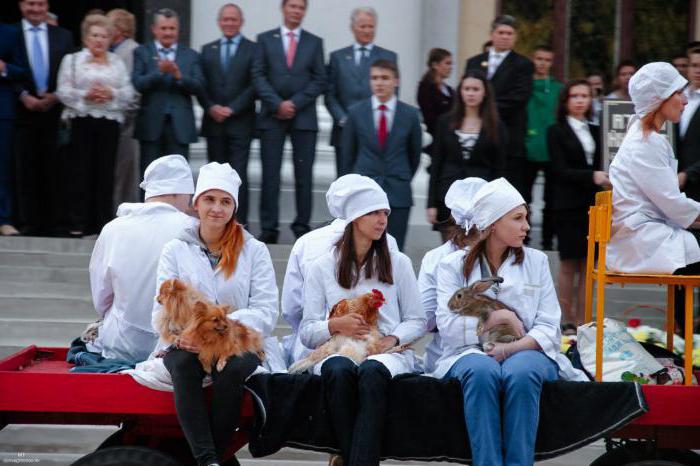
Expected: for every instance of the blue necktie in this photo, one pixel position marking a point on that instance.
(39, 69)
(227, 54)
(165, 53)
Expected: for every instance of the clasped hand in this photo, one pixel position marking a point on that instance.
(169, 66)
(99, 94)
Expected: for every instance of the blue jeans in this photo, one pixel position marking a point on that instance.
(510, 441)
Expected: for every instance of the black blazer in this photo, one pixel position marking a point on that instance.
(572, 186)
(512, 84)
(688, 151)
(231, 87)
(488, 160)
(15, 70)
(433, 103)
(274, 82)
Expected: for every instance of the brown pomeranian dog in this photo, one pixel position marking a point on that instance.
(219, 337)
(366, 305)
(469, 301)
(177, 299)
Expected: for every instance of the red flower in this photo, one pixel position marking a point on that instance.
(634, 323)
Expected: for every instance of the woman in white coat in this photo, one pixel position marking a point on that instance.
(228, 266)
(496, 219)
(361, 261)
(650, 213)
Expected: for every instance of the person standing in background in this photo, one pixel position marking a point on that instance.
(680, 62)
(541, 110)
(510, 75)
(435, 96)
(288, 76)
(228, 99)
(623, 73)
(167, 74)
(597, 83)
(12, 69)
(126, 167)
(688, 132)
(348, 73)
(39, 168)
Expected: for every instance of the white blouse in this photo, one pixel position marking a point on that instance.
(583, 133)
(77, 74)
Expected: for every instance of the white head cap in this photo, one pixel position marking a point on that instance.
(459, 197)
(352, 196)
(217, 175)
(492, 201)
(170, 174)
(652, 84)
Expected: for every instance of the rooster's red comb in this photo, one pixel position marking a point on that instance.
(378, 294)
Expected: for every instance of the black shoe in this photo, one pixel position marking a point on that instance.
(300, 230)
(268, 237)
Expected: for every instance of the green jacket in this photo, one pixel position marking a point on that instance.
(541, 113)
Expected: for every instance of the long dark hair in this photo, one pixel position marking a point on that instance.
(435, 55)
(377, 262)
(562, 107)
(477, 241)
(487, 110)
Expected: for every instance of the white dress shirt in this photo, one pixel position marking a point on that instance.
(285, 36)
(43, 41)
(389, 112)
(166, 56)
(358, 53)
(495, 60)
(693, 96)
(583, 133)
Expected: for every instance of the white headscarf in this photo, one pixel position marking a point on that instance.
(460, 196)
(352, 196)
(170, 174)
(217, 175)
(491, 201)
(652, 84)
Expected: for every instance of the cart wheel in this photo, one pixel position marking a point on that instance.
(126, 456)
(638, 455)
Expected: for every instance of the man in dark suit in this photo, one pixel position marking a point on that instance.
(228, 99)
(39, 179)
(348, 73)
(511, 76)
(688, 132)
(382, 139)
(12, 68)
(167, 74)
(288, 75)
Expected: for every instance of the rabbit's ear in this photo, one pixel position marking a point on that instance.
(480, 286)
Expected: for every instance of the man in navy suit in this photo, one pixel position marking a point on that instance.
(167, 74)
(288, 75)
(12, 69)
(348, 73)
(510, 75)
(229, 99)
(382, 139)
(39, 170)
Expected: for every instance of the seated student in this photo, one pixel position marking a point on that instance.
(496, 222)
(650, 214)
(306, 250)
(228, 266)
(427, 279)
(361, 261)
(124, 261)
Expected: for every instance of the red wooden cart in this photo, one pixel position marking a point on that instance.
(36, 388)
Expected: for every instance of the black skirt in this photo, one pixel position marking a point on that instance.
(571, 227)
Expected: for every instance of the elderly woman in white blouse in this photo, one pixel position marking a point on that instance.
(95, 89)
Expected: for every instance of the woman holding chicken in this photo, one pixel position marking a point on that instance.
(359, 263)
(495, 218)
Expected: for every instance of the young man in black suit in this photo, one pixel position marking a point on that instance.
(688, 132)
(39, 179)
(288, 75)
(229, 99)
(511, 76)
(382, 139)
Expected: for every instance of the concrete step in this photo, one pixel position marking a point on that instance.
(25, 289)
(18, 258)
(37, 275)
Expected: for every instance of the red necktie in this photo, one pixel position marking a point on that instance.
(291, 49)
(381, 131)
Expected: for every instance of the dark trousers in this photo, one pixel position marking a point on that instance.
(41, 178)
(234, 150)
(398, 224)
(679, 293)
(91, 166)
(515, 174)
(530, 174)
(166, 144)
(208, 435)
(6, 166)
(271, 151)
(355, 397)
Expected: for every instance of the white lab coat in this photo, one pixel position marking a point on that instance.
(305, 251)
(427, 286)
(650, 213)
(251, 291)
(401, 315)
(122, 272)
(526, 287)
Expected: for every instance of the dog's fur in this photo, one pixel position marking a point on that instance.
(469, 301)
(219, 337)
(366, 305)
(177, 299)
